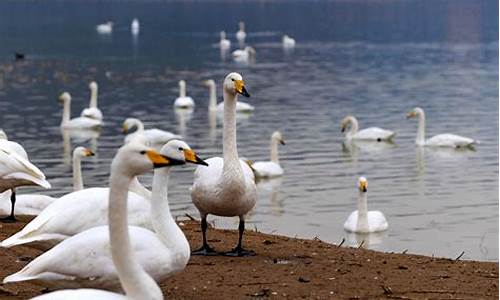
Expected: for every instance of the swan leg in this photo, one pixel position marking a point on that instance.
(239, 251)
(205, 249)
(11, 218)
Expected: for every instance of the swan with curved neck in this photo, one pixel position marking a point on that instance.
(155, 137)
(227, 186)
(244, 55)
(183, 101)
(130, 161)
(76, 123)
(92, 111)
(166, 244)
(272, 168)
(367, 134)
(78, 153)
(440, 140)
(362, 220)
(224, 43)
(241, 107)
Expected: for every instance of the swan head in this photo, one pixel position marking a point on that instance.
(129, 123)
(363, 184)
(277, 136)
(417, 111)
(209, 83)
(182, 84)
(82, 152)
(64, 97)
(346, 122)
(234, 84)
(181, 151)
(93, 85)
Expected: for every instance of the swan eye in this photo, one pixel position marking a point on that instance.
(232, 79)
(143, 152)
(181, 149)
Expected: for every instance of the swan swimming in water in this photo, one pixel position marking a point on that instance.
(76, 123)
(105, 28)
(440, 140)
(367, 134)
(245, 55)
(227, 186)
(86, 255)
(92, 111)
(224, 43)
(288, 42)
(268, 169)
(241, 34)
(134, 26)
(362, 220)
(155, 137)
(241, 107)
(130, 161)
(183, 101)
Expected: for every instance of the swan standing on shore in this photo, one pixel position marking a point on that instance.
(227, 186)
(241, 34)
(268, 169)
(76, 123)
(155, 137)
(183, 101)
(241, 107)
(362, 220)
(224, 43)
(130, 161)
(92, 111)
(245, 55)
(85, 255)
(367, 134)
(288, 42)
(440, 140)
(135, 27)
(105, 28)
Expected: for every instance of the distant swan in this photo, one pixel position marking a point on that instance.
(241, 34)
(362, 220)
(368, 134)
(241, 107)
(183, 101)
(288, 42)
(440, 140)
(268, 169)
(224, 43)
(92, 111)
(76, 123)
(155, 137)
(134, 26)
(245, 55)
(105, 28)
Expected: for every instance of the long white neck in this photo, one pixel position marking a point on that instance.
(163, 223)
(421, 129)
(232, 172)
(182, 89)
(134, 280)
(93, 97)
(362, 211)
(138, 124)
(77, 172)
(66, 111)
(139, 189)
(274, 150)
(212, 104)
(354, 126)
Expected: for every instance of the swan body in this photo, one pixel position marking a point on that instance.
(155, 137)
(362, 220)
(272, 168)
(130, 161)
(368, 134)
(288, 42)
(241, 34)
(76, 123)
(224, 43)
(92, 111)
(183, 101)
(440, 140)
(227, 186)
(161, 253)
(241, 107)
(244, 55)
(135, 26)
(106, 28)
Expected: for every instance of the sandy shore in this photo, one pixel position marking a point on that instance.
(296, 269)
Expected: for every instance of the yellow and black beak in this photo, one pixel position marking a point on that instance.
(159, 160)
(191, 157)
(124, 128)
(88, 152)
(282, 142)
(363, 186)
(239, 85)
(411, 114)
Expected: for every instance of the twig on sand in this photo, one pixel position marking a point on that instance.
(361, 244)
(190, 217)
(461, 254)
(404, 251)
(341, 243)
(316, 238)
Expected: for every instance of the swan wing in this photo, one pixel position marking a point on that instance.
(81, 294)
(184, 102)
(15, 166)
(244, 107)
(92, 113)
(374, 133)
(267, 169)
(352, 222)
(158, 136)
(32, 204)
(83, 123)
(450, 140)
(377, 221)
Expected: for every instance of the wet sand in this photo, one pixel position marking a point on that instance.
(292, 268)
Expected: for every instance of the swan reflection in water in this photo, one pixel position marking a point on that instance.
(271, 189)
(79, 136)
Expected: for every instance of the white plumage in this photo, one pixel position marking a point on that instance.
(156, 138)
(105, 28)
(367, 134)
(272, 168)
(224, 43)
(76, 123)
(183, 101)
(92, 111)
(288, 42)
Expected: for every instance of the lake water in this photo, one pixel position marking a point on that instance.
(375, 59)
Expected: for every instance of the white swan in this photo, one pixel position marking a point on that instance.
(241, 107)
(135, 26)
(367, 134)
(155, 137)
(362, 220)
(268, 169)
(85, 256)
(440, 140)
(241, 34)
(244, 55)
(227, 186)
(16, 170)
(130, 161)
(92, 111)
(288, 42)
(224, 43)
(105, 28)
(76, 123)
(33, 204)
(183, 101)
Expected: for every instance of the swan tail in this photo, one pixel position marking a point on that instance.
(26, 275)
(21, 239)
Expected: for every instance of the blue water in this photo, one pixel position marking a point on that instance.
(376, 60)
